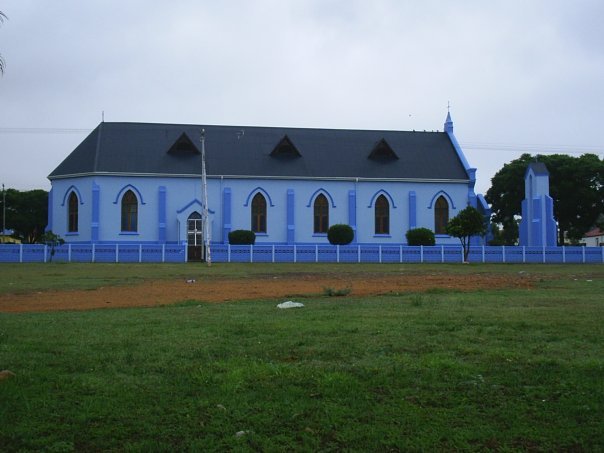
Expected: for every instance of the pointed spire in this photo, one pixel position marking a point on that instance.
(449, 121)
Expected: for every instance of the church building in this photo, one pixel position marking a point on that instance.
(141, 183)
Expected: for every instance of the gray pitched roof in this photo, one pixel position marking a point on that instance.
(539, 168)
(140, 148)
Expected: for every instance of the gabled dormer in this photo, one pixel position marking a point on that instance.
(285, 149)
(383, 152)
(183, 146)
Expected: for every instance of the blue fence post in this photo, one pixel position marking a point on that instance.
(583, 251)
(359, 254)
(117, 253)
(316, 253)
(69, 253)
(273, 254)
(295, 254)
(93, 252)
(251, 253)
(564, 254)
(442, 253)
(400, 254)
(523, 254)
(421, 254)
(45, 250)
(544, 254)
(140, 253)
(483, 257)
(503, 254)
(163, 252)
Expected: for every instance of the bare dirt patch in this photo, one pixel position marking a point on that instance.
(163, 292)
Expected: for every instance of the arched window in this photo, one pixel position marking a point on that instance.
(321, 214)
(441, 215)
(382, 215)
(259, 213)
(194, 231)
(72, 215)
(129, 212)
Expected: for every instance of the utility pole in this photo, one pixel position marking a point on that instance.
(3, 210)
(205, 215)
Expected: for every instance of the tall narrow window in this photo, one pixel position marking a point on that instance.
(72, 217)
(441, 215)
(194, 231)
(382, 215)
(258, 214)
(321, 214)
(129, 212)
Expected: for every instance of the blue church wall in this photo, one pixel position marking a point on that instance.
(58, 209)
(165, 203)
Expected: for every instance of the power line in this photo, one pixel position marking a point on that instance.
(539, 149)
(41, 130)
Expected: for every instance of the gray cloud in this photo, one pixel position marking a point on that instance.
(516, 72)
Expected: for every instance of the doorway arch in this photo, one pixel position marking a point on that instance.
(195, 251)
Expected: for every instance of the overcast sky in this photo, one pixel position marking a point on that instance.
(521, 76)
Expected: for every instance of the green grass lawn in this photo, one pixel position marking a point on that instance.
(502, 369)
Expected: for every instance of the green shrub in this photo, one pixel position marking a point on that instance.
(420, 236)
(332, 292)
(340, 234)
(242, 237)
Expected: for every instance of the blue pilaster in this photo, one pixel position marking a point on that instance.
(536, 224)
(161, 221)
(412, 210)
(50, 212)
(226, 214)
(291, 226)
(472, 199)
(551, 233)
(352, 212)
(94, 225)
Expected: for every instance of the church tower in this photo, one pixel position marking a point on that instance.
(537, 227)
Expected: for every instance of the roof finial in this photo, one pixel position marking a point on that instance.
(449, 121)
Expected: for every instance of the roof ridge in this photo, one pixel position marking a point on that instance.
(238, 126)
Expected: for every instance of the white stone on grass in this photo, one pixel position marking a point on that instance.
(290, 304)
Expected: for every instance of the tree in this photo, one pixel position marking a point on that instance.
(576, 186)
(2, 63)
(469, 222)
(52, 240)
(26, 213)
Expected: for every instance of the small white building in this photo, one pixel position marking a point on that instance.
(593, 238)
